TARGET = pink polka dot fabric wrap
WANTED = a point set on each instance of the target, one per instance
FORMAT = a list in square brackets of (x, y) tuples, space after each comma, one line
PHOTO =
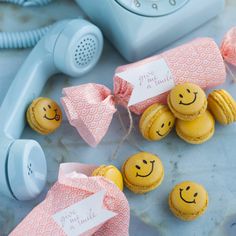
[(198, 62), (72, 187), (228, 46)]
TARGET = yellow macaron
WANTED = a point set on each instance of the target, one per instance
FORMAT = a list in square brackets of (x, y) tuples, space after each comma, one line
[(44, 115), (111, 173), (196, 131), (188, 200), (222, 106), (142, 172), (187, 101), (156, 122)]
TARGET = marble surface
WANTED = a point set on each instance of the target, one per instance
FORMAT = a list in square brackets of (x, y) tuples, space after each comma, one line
[(213, 164)]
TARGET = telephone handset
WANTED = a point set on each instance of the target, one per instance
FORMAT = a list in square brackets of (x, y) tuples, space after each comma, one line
[(72, 47)]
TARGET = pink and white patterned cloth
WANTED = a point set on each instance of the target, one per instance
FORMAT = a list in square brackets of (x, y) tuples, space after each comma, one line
[(90, 107), (73, 186), (199, 62)]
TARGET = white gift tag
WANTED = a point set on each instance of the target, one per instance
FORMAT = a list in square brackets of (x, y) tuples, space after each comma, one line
[(84, 215), (149, 80)]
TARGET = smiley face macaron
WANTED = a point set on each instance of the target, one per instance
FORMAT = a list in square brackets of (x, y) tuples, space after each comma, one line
[(142, 172), (187, 101), (111, 173), (188, 200), (223, 106), (156, 122), (44, 115), (196, 131)]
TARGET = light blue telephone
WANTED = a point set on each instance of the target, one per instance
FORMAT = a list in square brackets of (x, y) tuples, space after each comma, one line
[(139, 28), (72, 47)]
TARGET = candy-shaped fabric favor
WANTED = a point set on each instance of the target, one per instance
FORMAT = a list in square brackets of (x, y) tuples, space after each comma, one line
[(137, 86), (89, 108), (228, 46), (74, 187), (199, 62)]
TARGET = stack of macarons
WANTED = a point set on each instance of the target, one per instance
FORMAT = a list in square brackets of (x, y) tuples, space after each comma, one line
[(192, 113), (188, 102)]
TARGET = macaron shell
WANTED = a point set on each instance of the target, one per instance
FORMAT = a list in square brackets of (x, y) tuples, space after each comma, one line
[(115, 176), (142, 189), (143, 172), (98, 171), (165, 118), (152, 120), (44, 115), (111, 173), (218, 110), (231, 103), (33, 122), (148, 117), (188, 210), (196, 131), (190, 105), (222, 106)]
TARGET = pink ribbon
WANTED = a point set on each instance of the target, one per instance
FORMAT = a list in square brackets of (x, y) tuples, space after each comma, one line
[(73, 186), (90, 107)]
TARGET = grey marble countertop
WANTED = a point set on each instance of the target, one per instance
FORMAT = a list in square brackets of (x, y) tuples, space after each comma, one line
[(213, 164)]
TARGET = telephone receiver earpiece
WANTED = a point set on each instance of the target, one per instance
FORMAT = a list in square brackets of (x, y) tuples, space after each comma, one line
[(72, 47)]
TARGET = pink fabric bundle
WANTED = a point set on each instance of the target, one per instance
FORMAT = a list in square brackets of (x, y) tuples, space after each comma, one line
[(90, 107), (198, 62), (73, 186)]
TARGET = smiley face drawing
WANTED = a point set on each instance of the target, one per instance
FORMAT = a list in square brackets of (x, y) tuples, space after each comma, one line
[(44, 115), (143, 172), (187, 101), (188, 200), (181, 192), (156, 122), (49, 109)]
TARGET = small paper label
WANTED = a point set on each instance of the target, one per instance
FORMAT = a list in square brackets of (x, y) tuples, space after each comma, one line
[(84, 215), (149, 80)]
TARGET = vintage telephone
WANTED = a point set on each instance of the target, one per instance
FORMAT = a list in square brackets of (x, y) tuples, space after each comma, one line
[(139, 28), (72, 47)]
